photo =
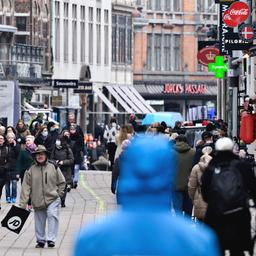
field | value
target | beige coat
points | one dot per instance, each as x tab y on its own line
194	187
44	184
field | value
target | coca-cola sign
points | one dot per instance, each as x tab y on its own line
236	14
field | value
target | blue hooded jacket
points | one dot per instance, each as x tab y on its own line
144	225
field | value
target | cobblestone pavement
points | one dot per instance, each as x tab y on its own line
90	200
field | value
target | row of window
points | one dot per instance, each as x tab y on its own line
163	52
76	24
176	5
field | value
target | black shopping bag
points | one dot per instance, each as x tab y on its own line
15	219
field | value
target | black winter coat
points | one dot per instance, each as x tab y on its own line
64	154
234	229
3	160
12	157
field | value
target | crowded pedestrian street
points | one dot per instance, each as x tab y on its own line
90	200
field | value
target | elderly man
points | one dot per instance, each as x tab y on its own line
45	184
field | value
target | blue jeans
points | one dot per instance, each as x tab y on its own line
76	173
8	185
182	202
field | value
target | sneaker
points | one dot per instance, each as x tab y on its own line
75	185
68	188
63	205
14	200
40	245
8	200
51	244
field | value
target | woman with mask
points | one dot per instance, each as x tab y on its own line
44	138
62	155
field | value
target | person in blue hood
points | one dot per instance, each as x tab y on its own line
144	224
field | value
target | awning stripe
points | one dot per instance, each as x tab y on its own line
105	100
119	99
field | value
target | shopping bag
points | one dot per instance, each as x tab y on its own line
15	219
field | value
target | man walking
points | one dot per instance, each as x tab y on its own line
45	184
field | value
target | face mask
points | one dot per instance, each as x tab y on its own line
113	124
45	133
52	129
58	143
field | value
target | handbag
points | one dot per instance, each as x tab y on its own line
15	219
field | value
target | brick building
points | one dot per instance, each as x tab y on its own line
166	69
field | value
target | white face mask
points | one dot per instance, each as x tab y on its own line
113	124
45	133
58	143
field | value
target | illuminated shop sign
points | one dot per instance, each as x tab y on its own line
188	88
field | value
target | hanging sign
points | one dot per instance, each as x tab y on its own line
236	14
230	40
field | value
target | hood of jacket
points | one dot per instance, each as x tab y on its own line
181	147
204	161
147	174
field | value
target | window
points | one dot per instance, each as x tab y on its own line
149	4
114	38
208	6
106	36
122	44
149	51
65	29
90	36
158	5
167	5
98	32
176	50
74	33
167	52
57	31
157	49
21	23
82	24
129	40
177	5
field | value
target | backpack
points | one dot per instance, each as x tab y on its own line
227	191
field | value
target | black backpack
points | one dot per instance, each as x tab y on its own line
227	191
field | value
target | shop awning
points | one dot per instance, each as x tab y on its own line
105	100
129	99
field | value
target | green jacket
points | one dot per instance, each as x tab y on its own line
44	184
185	157
24	161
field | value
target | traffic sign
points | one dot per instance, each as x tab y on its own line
64	83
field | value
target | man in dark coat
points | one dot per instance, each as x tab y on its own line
181	200
232	227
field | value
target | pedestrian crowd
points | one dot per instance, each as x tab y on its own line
158	174
215	183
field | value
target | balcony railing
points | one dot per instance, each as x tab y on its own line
22	61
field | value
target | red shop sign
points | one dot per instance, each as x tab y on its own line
207	55
236	14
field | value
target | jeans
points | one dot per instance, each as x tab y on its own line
182	202
8	185
76	173
51	214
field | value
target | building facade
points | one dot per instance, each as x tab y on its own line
166	69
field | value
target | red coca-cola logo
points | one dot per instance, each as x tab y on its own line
236	14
